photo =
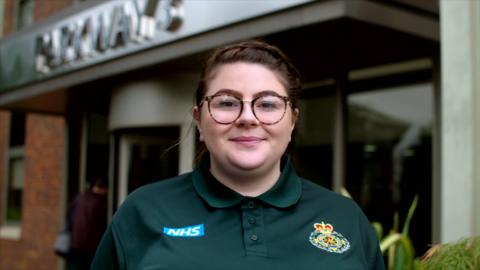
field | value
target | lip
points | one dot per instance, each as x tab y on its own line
247	140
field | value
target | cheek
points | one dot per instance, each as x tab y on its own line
288	130
282	133
211	132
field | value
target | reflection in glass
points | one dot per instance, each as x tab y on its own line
153	158
389	155
15	191
313	143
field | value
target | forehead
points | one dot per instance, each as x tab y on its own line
245	78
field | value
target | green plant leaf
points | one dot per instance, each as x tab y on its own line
390	241
411	210
404	254
378	228
344	192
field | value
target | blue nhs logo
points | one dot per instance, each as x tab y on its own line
190	231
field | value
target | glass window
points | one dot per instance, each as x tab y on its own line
17	129
313	137
25	13
15	170
15	190
389	155
98	147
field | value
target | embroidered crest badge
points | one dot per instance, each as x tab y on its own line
324	237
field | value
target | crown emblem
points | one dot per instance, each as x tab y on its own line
324	237
323	228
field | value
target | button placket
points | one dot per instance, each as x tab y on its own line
252	219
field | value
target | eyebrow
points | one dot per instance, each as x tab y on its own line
239	94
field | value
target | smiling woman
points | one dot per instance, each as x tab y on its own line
245	153
244	202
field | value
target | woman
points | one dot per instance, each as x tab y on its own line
243	207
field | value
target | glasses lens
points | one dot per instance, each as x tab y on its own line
269	109
224	108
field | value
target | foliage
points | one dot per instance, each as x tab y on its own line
463	254
397	247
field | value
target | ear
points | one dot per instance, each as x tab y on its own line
196	118
295	114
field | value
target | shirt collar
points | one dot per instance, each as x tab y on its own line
286	191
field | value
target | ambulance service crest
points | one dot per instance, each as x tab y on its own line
324	237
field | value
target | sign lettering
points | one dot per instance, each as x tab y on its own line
129	22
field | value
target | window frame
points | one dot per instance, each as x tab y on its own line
10	231
18	8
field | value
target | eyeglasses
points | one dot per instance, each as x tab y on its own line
226	109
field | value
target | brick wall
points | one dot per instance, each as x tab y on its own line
45	8
42	215
8	19
44	172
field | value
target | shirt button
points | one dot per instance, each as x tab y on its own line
251	204
254	237
251	220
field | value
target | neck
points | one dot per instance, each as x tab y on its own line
250	183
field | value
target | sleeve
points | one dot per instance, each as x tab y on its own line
377	261
109	252
372	246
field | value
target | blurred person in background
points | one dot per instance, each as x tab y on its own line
88	221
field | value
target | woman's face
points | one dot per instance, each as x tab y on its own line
246	144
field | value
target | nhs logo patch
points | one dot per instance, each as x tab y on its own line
190	231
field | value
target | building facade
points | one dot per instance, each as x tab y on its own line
389	108
32	163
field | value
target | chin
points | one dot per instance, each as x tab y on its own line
247	162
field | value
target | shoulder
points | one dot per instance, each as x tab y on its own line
346	218
156	196
317	194
167	187
332	205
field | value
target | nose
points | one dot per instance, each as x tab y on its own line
247	117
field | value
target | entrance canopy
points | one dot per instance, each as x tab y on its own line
42	65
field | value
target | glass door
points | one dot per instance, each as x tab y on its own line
312	145
145	158
389	155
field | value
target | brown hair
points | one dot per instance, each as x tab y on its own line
256	52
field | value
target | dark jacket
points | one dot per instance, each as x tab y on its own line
88	221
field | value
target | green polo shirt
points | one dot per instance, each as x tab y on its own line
192	221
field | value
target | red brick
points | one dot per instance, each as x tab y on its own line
44	171
42	215
42	9
8	17
45	8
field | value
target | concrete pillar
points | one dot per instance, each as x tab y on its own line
460	109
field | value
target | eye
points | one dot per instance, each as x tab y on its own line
225	102
269	103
